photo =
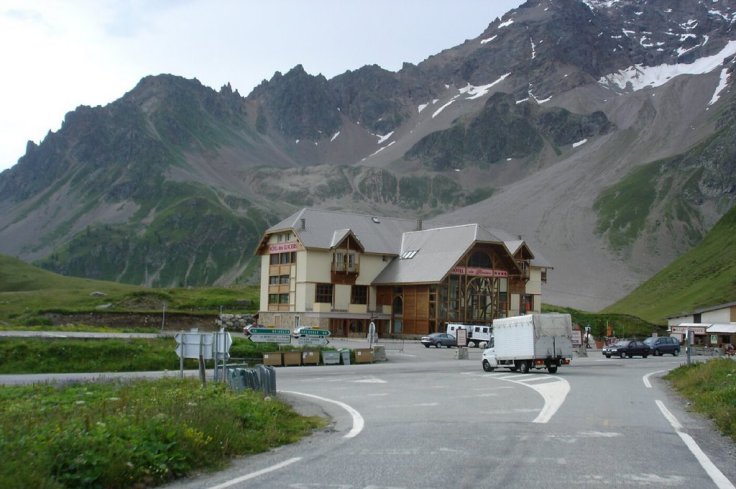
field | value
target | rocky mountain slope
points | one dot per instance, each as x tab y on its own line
600	131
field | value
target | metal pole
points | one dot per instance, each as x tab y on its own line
181	357
202	376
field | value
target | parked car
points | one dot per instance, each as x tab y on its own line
663	344
627	348
439	339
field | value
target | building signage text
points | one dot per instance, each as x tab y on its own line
282	247
479	272
684	329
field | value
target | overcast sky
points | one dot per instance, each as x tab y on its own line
57	55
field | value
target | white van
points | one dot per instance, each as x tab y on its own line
477	333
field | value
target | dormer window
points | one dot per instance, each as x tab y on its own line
409	254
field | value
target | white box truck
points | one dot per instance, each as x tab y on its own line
531	341
477	333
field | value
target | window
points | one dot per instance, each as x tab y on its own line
278	280
359	294
278	298
351	261
339	262
282	258
409	254
503	304
323	293
480	259
527	304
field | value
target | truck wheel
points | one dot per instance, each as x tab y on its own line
487	366
524	367
552	369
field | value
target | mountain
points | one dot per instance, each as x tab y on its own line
600	131
702	277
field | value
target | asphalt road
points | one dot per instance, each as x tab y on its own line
425	419
428	420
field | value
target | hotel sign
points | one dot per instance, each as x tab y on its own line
684	329
283	247
480	272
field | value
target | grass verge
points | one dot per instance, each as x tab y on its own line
43	355
134	434
711	388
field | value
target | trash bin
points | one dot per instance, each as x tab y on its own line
234	378
363	355
331	357
310	357
292	358
345	354
274	358
267	379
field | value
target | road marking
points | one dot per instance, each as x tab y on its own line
645	379
255	474
554	391
371	380
554	394
716	475
358	421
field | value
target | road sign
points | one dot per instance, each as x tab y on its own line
313	340
314	332
194	345
309	336
270	335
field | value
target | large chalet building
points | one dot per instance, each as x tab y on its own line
341	271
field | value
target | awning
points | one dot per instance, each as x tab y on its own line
722	329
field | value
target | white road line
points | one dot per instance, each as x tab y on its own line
257	473
645	379
358	421
716	475
554	394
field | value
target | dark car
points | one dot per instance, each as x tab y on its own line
663	344
627	348
439	339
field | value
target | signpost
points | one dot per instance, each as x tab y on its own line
313	337
270	335
202	347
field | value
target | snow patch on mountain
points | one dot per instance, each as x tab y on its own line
479	91
593	4
721	85
638	76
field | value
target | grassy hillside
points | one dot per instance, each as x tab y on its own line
26	292
706	275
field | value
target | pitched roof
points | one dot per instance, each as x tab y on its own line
426	256
317	228
422	256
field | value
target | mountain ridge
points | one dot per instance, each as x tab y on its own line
616	81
